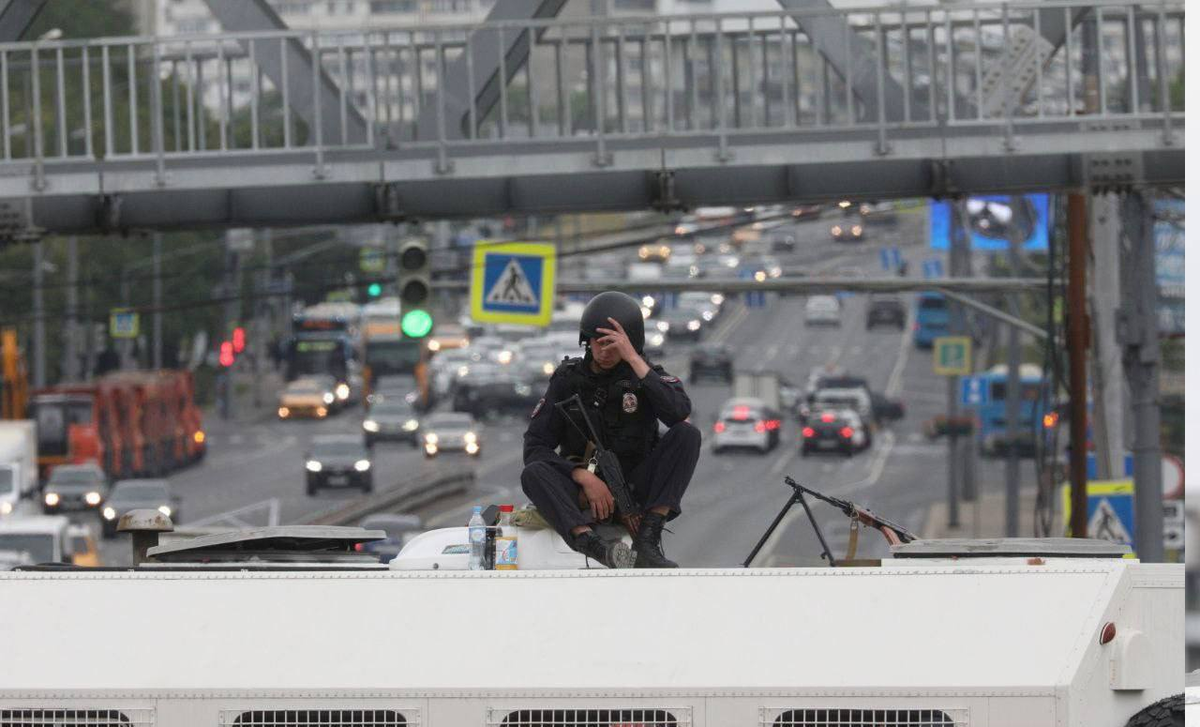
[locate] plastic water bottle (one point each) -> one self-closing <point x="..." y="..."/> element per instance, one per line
<point x="478" y="533"/>
<point x="506" y="541"/>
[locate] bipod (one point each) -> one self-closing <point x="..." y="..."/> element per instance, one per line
<point x="797" y="497"/>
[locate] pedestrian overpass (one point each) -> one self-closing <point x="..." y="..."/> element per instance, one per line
<point x="539" y="115"/>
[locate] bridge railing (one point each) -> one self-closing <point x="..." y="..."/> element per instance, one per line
<point x="883" y="72"/>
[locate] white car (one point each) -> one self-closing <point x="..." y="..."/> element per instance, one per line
<point x="746" y="422"/>
<point x="822" y="310"/>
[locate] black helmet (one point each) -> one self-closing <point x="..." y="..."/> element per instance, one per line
<point x="618" y="306"/>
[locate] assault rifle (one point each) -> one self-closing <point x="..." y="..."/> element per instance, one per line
<point x="894" y="533"/>
<point x="605" y="464"/>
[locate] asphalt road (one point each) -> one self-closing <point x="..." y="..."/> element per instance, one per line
<point x="733" y="496"/>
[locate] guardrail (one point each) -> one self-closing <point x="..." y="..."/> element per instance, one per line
<point x="409" y="494"/>
<point x="937" y="67"/>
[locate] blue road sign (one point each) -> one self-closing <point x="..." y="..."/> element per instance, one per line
<point x="973" y="391"/>
<point x="993" y="220"/>
<point x="897" y="258"/>
<point x="885" y="258"/>
<point x="932" y="268"/>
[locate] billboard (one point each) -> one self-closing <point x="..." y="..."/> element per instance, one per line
<point x="993" y="220"/>
<point x="1168" y="264"/>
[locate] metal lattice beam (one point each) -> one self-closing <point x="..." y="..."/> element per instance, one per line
<point x="16" y="16"/>
<point x="257" y="15"/>
<point x="483" y="53"/>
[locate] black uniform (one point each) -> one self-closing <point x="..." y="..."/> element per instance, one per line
<point x="626" y="412"/>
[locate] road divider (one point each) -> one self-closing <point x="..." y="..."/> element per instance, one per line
<point x="410" y="494"/>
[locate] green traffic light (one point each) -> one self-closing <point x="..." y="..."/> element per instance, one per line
<point x="416" y="323"/>
<point x="374" y="289"/>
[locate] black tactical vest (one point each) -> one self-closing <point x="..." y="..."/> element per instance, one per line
<point x="618" y="407"/>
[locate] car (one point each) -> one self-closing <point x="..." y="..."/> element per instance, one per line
<point x="847" y="232"/>
<point x="807" y="211"/>
<point x="682" y="323"/>
<point x="883" y="213"/>
<point x="656" y="339"/>
<point x="746" y="422"/>
<point x="307" y="397"/>
<point x="762" y="268"/>
<point x="711" y="361"/>
<point x="882" y="408"/>
<point x="886" y="310"/>
<point x="140" y="494"/>
<point x="400" y="528"/>
<point x="74" y="487"/>
<point x="84" y="552"/>
<point x="822" y="310"/>
<point x="658" y="252"/>
<point x="857" y="399"/>
<point x="538" y="361"/>
<point x="390" y="419"/>
<point x="337" y="460"/>
<point x="392" y="388"/>
<point x="450" y="432"/>
<point x="702" y="300"/>
<point x="833" y="430"/>
<point x="782" y="242"/>
<point x="33" y="540"/>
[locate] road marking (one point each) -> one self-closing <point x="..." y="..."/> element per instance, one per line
<point x="782" y="461"/>
<point x="893" y="384"/>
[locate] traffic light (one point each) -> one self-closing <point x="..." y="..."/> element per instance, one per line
<point x="416" y="321"/>
<point x="226" y="357"/>
<point x="373" y="290"/>
<point x="239" y="339"/>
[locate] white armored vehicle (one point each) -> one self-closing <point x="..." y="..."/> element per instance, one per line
<point x="292" y="626"/>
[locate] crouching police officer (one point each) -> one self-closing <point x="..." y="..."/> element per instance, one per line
<point x="626" y="398"/>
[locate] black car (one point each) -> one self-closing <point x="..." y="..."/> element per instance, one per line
<point x="711" y="361"/>
<point x="831" y="431"/>
<point x="137" y="495"/>
<point x="783" y="242"/>
<point x="683" y="323"/>
<point x="74" y="487"/>
<point x="391" y="419"/>
<point x="338" y="460"/>
<point x="886" y="310"/>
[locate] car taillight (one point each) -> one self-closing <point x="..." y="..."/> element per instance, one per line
<point x="827" y="418"/>
<point x="358" y="547"/>
<point x="847" y="432"/>
<point x="741" y="412"/>
<point x="809" y="431"/>
<point x="760" y="427"/>
<point x="719" y="427"/>
<point x="772" y="425"/>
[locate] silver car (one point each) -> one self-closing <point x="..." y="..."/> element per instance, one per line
<point x="450" y="432"/>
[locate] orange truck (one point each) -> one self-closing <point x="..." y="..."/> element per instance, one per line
<point x="132" y="423"/>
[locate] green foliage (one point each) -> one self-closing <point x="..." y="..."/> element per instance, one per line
<point x="83" y="19"/>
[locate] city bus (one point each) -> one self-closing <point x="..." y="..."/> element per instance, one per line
<point x="932" y="319"/>
<point x="992" y="415"/>
<point x="325" y="341"/>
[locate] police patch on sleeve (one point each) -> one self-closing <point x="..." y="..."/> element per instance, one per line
<point x="629" y="403"/>
<point x="670" y="379"/>
<point x="537" y="408"/>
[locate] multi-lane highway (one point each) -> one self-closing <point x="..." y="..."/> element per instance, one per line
<point x="733" y="496"/>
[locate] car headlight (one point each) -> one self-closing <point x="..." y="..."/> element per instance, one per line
<point x="312" y="465"/>
<point x="759" y="276"/>
<point x="431" y="438"/>
<point x="646" y="312"/>
<point x="548" y="368"/>
<point x="643" y="253"/>
<point x="470" y="437"/>
<point x="648" y="301"/>
<point x="283" y="412"/>
<point x="342" y="391"/>
<point x="362" y="465"/>
<point x="370" y="425"/>
<point x="327" y="398"/>
<point x="6" y="508"/>
<point x="165" y="510"/>
<point x="430" y="448"/>
<point x="707" y="315"/>
<point x="693" y="325"/>
<point x="718" y="298"/>
<point x="663" y="326"/>
<point x="837" y="230"/>
<point x="656" y="339"/>
<point x="52" y="498"/>
<point x="92" y="498"/>
<point x="109" y="513"/>
<point x="775" y="272"/>
<point x="435" y="345"/>
<point x="505" y="357"/>
<point x="463" y="371"/>
<point x="322" y="411"/>
<point x="472" y="448"/>
<point x="410" y="425"/>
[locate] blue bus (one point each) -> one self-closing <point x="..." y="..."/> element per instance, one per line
<point x="992" y="416"/>
<point x="932" y="319"/>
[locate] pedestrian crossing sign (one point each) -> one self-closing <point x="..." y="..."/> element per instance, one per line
<point x="512" y="282"/>
<point x="952" y="355"/>
<point x="1109" y="510"/>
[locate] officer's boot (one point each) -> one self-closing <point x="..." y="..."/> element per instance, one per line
<point x="648" y="543"/>
<point x="612" y="553"/>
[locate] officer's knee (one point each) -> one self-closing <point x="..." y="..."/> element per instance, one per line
<point x="686" y="433"/>
<point x="535" y="475"/>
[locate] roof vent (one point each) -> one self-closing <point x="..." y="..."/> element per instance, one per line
<point x="1012" y="548"/>
<point x="843" y="717"/>
<point x="316" y="718"/>
<point x="287" y="545"/>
